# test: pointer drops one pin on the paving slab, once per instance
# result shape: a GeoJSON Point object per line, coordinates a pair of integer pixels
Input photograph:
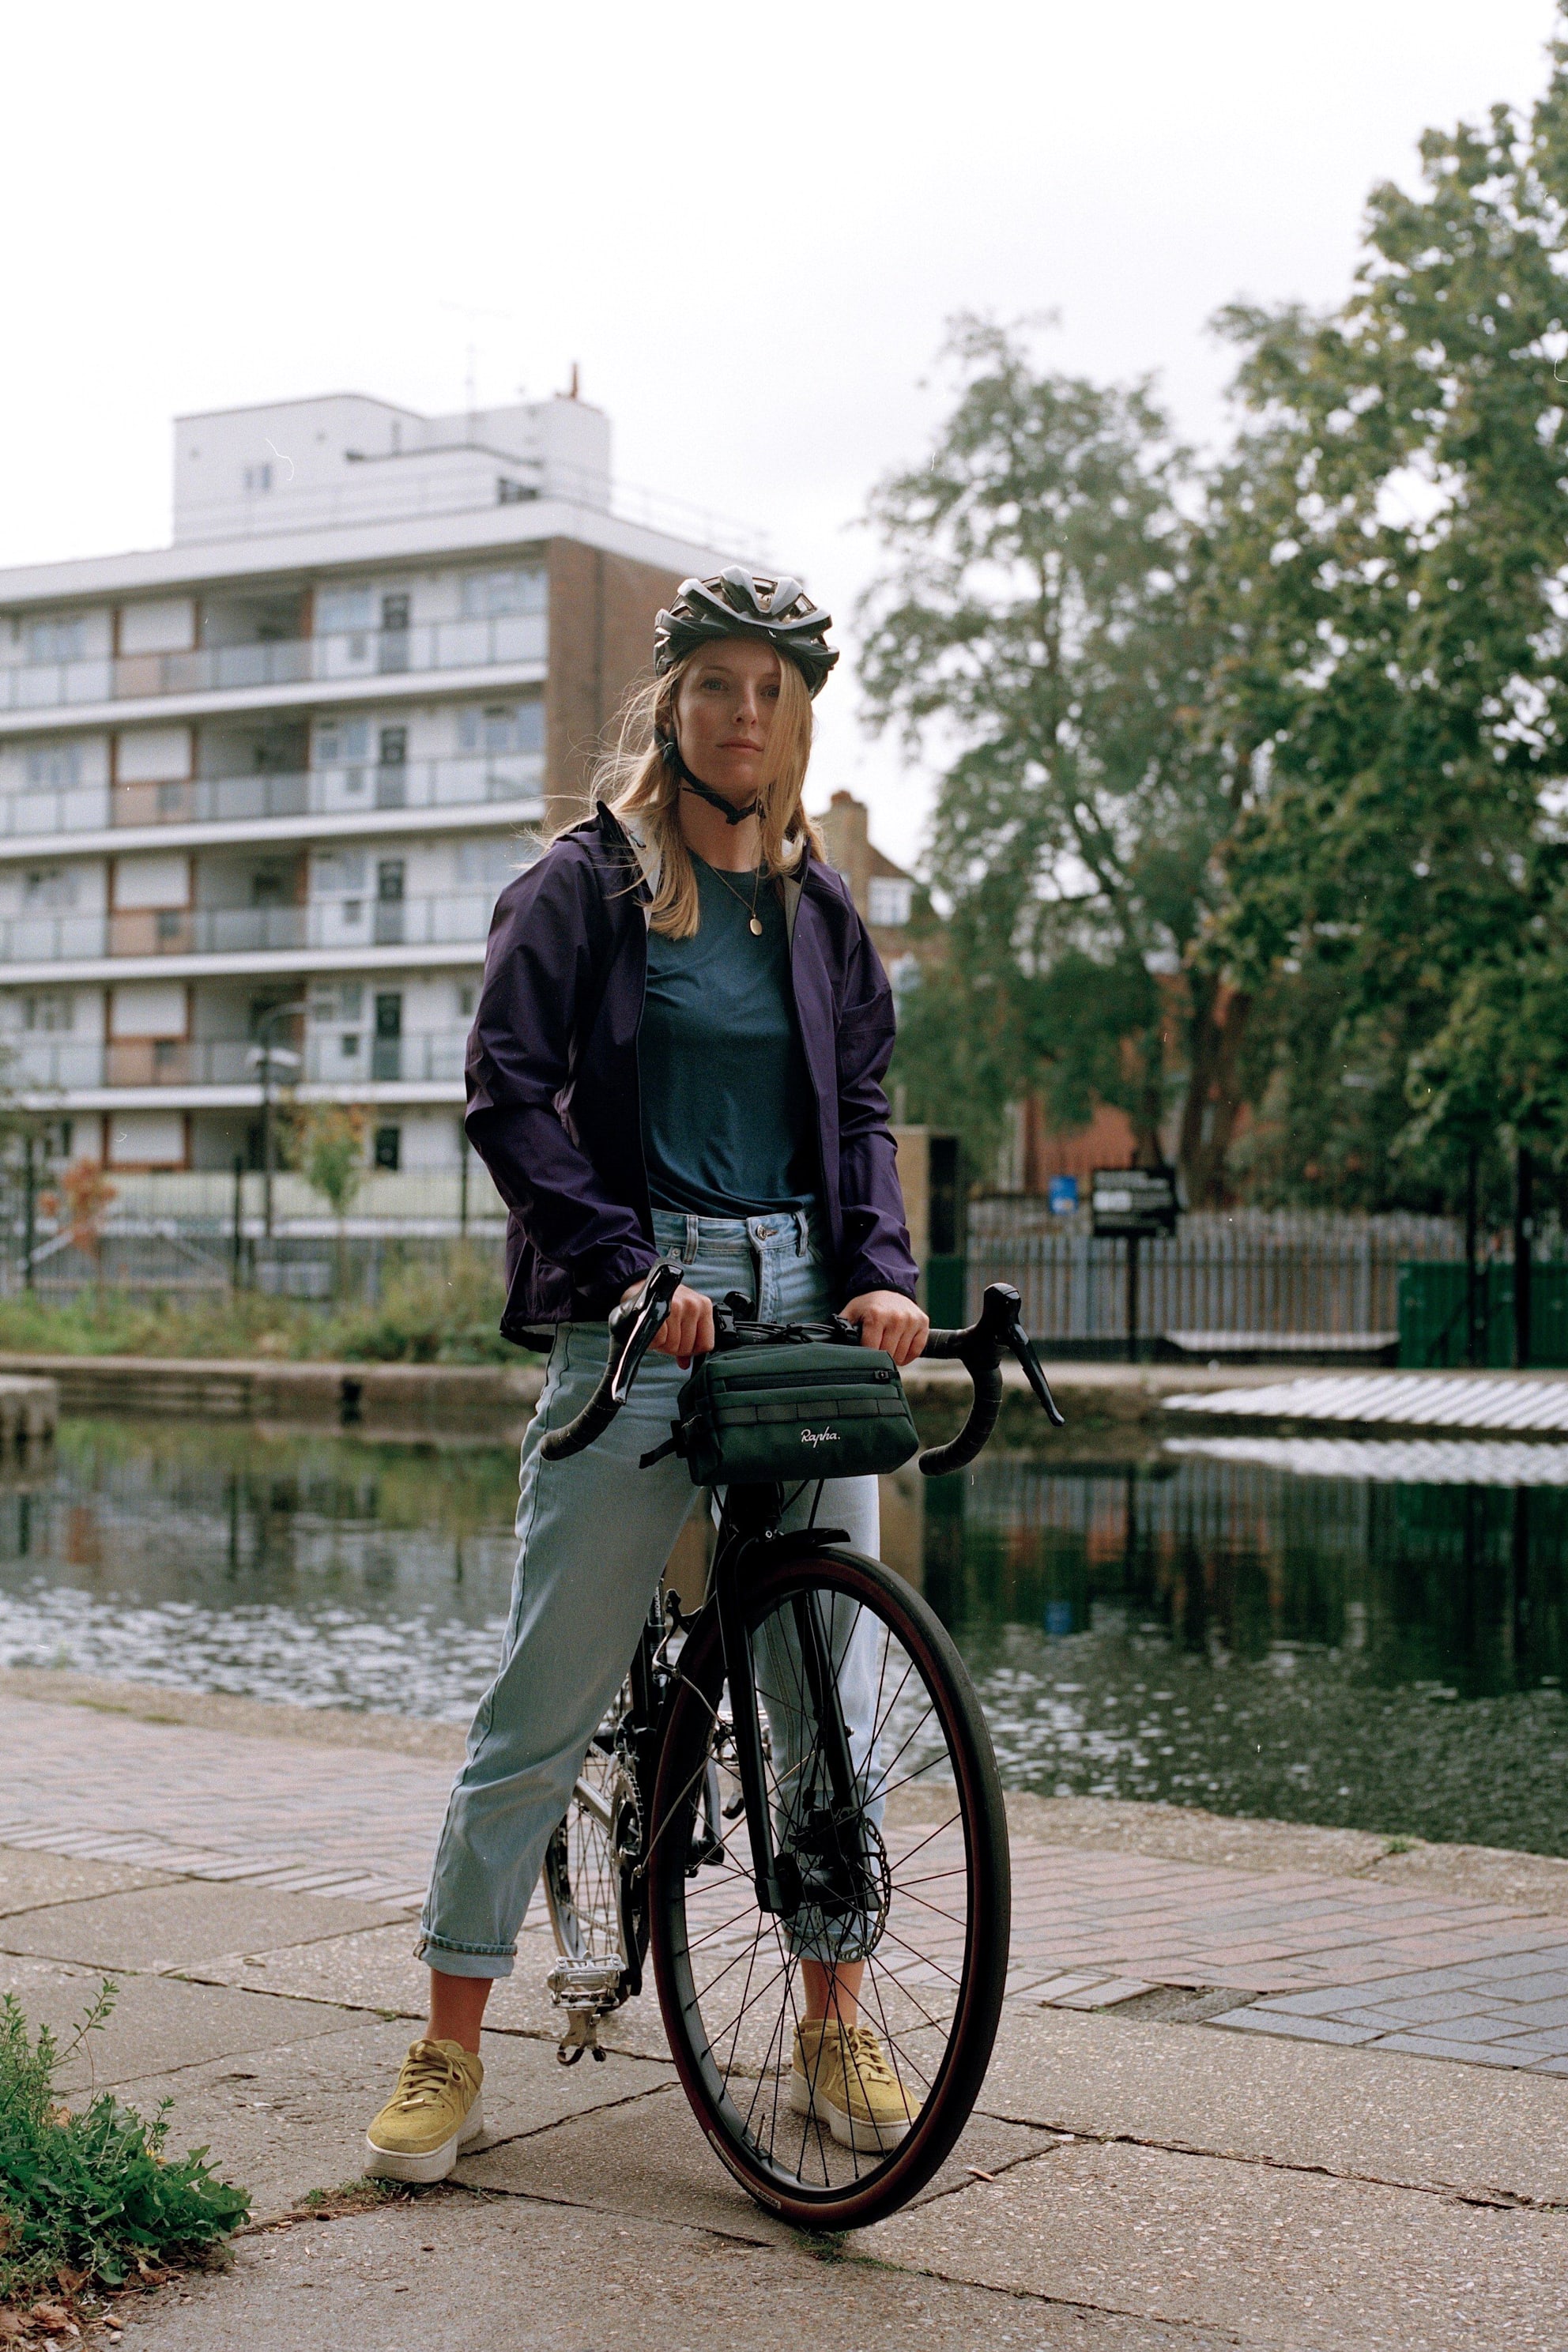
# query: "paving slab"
{"type": "Point", "coordinates": [287, 2120]}
{"type": "Point", "coordinates": [28, 1882]}
{"type": "Point", "coordinates": [1357, 2112]}
{"type": "Point", "coordinates": [508, 2275]}
{"type": "Point", "coordinates": [181, 1924]}
{"type": "Point", "coordinates": [375, 1969]}
{"type": "Point", "coordinates": [1275, 2256]}
{"type": "Point", "coordinates": [655, 2162]}
{"type": "Point", "coordinates": [160, 2024]}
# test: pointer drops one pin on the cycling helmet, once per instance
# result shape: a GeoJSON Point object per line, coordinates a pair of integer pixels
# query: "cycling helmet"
{"type": "Point", "coordinates": [737, 604]}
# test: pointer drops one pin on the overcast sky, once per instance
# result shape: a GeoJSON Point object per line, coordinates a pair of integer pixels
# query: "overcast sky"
{"type": "Point", "coordinates": [748, 225]}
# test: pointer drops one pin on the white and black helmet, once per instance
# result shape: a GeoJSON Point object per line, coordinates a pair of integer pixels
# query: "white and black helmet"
{"type": "Point", "coordinates": [737, 604]}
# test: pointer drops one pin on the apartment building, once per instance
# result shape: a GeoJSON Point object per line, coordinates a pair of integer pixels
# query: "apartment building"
{"type": "Point", "coordinates": [258, 789]}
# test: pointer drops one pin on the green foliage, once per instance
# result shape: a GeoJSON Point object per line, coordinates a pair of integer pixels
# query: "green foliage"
{"type": "Point", "coordinates": [445, 1311]}
{"type": "Point", "coordinates": [330, 1153]}
{"type": "Point", "coordinates": [1392, 533]}
{"type": "Point", "coordinates": [1041, 632]}
{"type": "Point", "coordinates": [94, 2193]}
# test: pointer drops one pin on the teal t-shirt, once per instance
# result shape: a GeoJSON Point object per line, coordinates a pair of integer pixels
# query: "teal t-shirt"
{"type": "Point", "coordinates": [729, 1123]}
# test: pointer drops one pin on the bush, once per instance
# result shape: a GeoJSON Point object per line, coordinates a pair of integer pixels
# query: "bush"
{"type": "Point", "coordinates": [92, 2198]}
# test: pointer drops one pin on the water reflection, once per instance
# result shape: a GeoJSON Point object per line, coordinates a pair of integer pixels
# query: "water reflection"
{"type": "Point", "coordinates": [1219, 1630]}
{"type": "Point", "coordinates": [1295, 1633]}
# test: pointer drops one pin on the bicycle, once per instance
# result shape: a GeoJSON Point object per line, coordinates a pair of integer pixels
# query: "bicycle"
{"type": "Point", "coordinates": [741, 1818]}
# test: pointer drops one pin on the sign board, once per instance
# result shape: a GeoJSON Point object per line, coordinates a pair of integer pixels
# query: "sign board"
{"type": "Point", "coordinates": [1062, 1195]}
{"type": "Point", "coordinates": [1133, 1203]}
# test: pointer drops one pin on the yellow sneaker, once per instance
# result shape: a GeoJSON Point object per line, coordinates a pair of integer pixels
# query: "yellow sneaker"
{"type": "Point", "coordinates": [842, 2074]}
{"type": "Point", "coordinates": [434, 2112]}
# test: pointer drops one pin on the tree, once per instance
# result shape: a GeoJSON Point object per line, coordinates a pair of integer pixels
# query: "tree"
{"type": "Point", "coordinates": [331, 1160]}
{"type": "Point", "coordinates": [1393, 532]}
{"type": "Point", "coordinates": [1040, 633]}
{"type": "Point", "coordinates": [80, 1201]}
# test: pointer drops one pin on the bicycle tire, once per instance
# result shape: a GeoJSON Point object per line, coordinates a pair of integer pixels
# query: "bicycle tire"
{"type": "Point", "coordinates": [688, 1951]}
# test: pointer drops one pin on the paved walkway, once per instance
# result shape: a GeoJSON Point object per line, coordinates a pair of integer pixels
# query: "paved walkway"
{"type": "Point", "coordinates": [1306, 1954]}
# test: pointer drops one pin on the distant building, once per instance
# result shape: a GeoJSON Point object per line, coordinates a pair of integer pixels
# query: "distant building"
{"type": "Point", "coordinates": [883, 892]}
{"type": "Point", "coordinates": [260, 788]}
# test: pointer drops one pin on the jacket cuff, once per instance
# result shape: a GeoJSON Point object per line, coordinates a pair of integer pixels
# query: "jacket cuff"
{"type": "Point", "coordinates": [595, 1297]}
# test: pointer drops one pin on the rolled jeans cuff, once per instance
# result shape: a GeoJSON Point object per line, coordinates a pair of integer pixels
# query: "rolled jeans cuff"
{"type": "Point", "coordinates": [463, 1960]}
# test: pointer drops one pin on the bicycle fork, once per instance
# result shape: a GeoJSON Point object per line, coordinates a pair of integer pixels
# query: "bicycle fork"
{"type": "Point", "coordinates": [777, 1878]}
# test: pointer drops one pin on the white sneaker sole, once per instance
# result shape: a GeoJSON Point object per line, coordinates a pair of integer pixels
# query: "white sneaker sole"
{"type": "Point", "coordinates": [385, 2164]}
{"type": "Point", "coordinates": [857, 2132]}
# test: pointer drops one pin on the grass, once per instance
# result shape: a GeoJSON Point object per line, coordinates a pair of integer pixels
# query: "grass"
{"type": "Point", "coordinates": [445, 1313]}
{"type": "Point", "coordinates": [92, 2200]}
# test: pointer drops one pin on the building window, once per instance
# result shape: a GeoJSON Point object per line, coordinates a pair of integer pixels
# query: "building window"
{"type": "Point", "coordinates": [48, 1008]}
{"type": "Point", "coordinates": [889, 900]}
{"type": "Point", "coordinates": [348, 1046]}
{"type": "Point", "coordinates": [517, 589]}
{"type": "Point", "coordinates": [466, 1002]}
{"type": "Point", "coordinates": [341, 609]}
{"type": "Point", "coordinates": [49, 886]}
{"type": "Point", "coordinates": [56, 641]}
{"type": "Point", "coordinates": [341, 742]}
{"type": "Point", "coordinates": [512, 494]}
{"type": "Point", "coordinates": [259, 478]}
{"type": "Point", "coordinates": [485, 865]}
{"type": "Point", "coordinates": [56, 768]}
{"type": "Point", "coordinates": [498, 728]}
{"type": "Point", "coordinates": [388, 1148]}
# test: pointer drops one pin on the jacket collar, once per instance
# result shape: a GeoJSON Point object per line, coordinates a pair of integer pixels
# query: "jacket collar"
{"type": "Point", "coordinates": [621, 835]}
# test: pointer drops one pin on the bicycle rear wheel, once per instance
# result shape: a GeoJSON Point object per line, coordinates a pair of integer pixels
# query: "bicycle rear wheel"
{"type": "Point", "coordinates": [906, 1893]}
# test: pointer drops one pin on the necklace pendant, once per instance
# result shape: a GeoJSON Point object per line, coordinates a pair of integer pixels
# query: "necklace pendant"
{"type": "Point", "coordinates": [756, 928]}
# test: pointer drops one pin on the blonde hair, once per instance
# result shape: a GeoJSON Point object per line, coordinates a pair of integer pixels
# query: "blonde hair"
{"type": "Point", "coordinates": [634, 780]}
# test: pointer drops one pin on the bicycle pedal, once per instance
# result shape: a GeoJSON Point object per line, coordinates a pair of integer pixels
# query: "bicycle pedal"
{"type": "Point", "coordinates": [589, 1987]}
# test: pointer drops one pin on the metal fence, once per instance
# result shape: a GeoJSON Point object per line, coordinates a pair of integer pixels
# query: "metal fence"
{"type": "Point", "coordinates": [1305, 1278]}
{"type": "Point", "coordinates": [184, 1232]}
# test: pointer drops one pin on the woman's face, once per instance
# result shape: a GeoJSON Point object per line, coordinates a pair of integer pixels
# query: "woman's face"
{"type": "Point", "coordinates": [724, 707]}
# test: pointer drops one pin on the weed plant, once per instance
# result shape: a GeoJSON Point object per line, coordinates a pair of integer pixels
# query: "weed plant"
{"type": "Point", "coordinates": [92, 2198]}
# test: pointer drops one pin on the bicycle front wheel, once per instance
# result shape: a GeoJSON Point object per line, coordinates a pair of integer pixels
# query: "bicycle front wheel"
{"type": "Point", "coordinates": [898, 1904]}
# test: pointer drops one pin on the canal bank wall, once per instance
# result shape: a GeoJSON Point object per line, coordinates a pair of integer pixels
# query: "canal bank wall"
{"type": "Point", "coordinates": [492, 1403]}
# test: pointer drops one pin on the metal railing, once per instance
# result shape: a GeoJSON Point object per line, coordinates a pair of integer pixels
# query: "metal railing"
{"type": "Point", "coordinates": [460, 918]}
{"type": "Point", "coordinates": [1222, 1278]}
{"type": "Point", "coordinates": [343, 790]}
{"type": "Point", "coordinates": [508, 639]}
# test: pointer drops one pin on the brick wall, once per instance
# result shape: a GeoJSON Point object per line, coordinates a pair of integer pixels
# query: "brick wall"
{"type": "Point", "coordinates": [602, 612]}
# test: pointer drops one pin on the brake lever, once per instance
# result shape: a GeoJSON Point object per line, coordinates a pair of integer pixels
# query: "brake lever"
{"type": "Point", "coordinates": [1023, 1346]}
{"type": "Point", "coordinates": [645, 1317]}
{"type": "Point", "coordinates": [1002, 1320]}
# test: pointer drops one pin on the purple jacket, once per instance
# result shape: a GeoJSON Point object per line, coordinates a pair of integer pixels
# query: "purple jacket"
{"type": "Point", "coordinates": [553, 1108]}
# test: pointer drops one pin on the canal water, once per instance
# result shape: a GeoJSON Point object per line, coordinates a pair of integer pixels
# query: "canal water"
{"type": "Point", "coordinates": [1373, 1634]}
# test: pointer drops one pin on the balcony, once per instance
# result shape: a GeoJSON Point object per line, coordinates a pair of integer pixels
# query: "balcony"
{"type": "Point", "coordinates": [351, 654]}
{"type": "Point", "coordinates": [38, 1065]}
{"type": "Point", "coordinates": [331, 792]}
{"type": "Point", "coordinates": [461, 918]}
{"type": "Point", "coordinates": [433, 1057]}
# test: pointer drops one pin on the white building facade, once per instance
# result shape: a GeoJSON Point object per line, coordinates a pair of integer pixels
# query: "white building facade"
{"type": "Point", "coordinates": [262, 787]}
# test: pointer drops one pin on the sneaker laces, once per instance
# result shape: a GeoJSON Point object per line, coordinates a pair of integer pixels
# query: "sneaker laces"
{"type": "Point", "coordinates": [426, 2072]}
{"type": "Point", "coordinates": [866, 2058]}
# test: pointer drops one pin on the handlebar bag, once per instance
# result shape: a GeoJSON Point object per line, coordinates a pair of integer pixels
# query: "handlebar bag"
{"type": "Point", "coordinates": [807, 1409]}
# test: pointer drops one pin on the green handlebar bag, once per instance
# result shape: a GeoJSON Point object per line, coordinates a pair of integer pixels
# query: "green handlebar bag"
{"type": "Point", "coordinates": [792, 1410]}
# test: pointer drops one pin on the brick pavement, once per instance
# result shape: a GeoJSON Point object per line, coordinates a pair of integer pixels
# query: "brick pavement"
{"type": "Point", "coordinates": [1306, 1955]}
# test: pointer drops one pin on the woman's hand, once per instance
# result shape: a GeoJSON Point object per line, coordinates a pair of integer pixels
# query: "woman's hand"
{"type": "Point", "coordinates": [889, 1320]}
{"type": "Point", "coordinates": [687, 1330]}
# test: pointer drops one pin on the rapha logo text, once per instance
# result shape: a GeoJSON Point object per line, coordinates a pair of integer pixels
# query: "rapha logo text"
{"type": "Point", "coordinates": [819, 1437]}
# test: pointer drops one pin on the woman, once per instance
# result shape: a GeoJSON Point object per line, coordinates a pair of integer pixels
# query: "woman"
{"type": "Point", "coordinates": [679, 1048]}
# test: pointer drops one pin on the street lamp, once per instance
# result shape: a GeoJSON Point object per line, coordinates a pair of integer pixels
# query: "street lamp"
{"type": "Point", "coordinates": [265, 1056]}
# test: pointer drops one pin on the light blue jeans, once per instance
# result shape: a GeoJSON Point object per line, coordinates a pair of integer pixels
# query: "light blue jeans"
{"type": "Point", "coordinates": [594, 1535]}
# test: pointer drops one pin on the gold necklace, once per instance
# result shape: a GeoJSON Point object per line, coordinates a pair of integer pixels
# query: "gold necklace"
{"type": "Point", "coordinates": [755, 921]}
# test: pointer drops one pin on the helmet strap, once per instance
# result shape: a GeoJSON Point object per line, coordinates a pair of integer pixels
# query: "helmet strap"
{"type": "Point", "coordinates": [669, 752]}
